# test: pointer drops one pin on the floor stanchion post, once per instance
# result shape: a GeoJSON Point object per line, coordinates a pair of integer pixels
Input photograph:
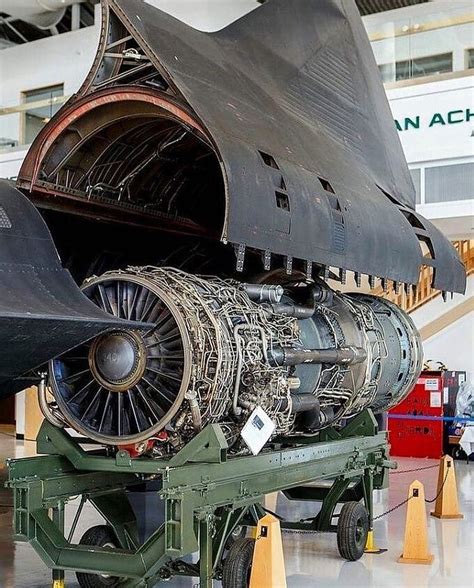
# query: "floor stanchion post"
{"type": "Point", "coordinates": [446, 506]}
{"type": "Point", "coordinates": [268, 564]}
{"type": "Point", "coordinates": [416, 545]}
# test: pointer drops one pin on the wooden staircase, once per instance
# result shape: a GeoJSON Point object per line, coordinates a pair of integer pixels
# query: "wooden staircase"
{"type": "Point", "coordinates": [423, 293]}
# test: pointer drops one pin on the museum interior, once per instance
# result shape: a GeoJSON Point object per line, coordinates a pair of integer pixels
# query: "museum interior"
{"type": "Point", "coordinates": [236, 293]}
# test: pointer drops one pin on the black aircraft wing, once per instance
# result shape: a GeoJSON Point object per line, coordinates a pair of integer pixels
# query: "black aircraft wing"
{"type": "Point", "coordinates": [42, 311]}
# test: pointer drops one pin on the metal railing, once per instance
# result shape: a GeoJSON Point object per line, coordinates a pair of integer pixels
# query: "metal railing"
{"type": "Point", "coordinates": [423, 44]}
{"type": "Point", "coordinates": [424, 292]}
{"type": "Point", "coordinates": [24, 106]}
{"type": "Point", "coordinates": [12, 120]}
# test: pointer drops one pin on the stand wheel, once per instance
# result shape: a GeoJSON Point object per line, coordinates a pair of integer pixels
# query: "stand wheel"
{"type": "Point", "coordinates": [352, 530]}
{"type": "Point", "coordinates": [101, 536]}
{"type": "Point", "coordinates": [238, 533]}
{"type": "Point", "coordinates": [238, 564]}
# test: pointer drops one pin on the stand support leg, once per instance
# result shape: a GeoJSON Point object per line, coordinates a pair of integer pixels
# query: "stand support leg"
{"type": "Point", "coordinates": [58, 519]}
{"type": "Point", "coordinates": [205, 553]}
{"type": "Point", "coordinates": [368, 486]}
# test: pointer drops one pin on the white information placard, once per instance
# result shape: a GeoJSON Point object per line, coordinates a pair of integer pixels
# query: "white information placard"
{"type": "Point", "coordinates": [445, 395]}
{"type": "Point", "coordinates": [257, 430]}
{"type": "Point", "coordinates": [435, 399]}
{"type": "Point", "coordinates": [432, 384]}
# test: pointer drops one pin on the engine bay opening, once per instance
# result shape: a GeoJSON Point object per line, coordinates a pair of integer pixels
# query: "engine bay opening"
{"type": "Point", "coordinates": [88, 247]}
{"type": "Point", "coordinates": [136, 160]}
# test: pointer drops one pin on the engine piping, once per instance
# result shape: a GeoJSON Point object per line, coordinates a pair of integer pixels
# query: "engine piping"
{"type": "Point", "coordinates": [286, 356]}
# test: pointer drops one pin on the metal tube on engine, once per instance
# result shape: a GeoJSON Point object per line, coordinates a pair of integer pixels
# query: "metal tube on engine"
{"type": "Point", "coordinates": [292, 310]}
{"type": "Point", "coordinates": [286, 356]}
{"type": "Point", "coordinates": [263, 292]}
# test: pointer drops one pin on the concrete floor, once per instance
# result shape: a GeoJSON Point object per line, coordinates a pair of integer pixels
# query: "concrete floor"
{"type": "Point", "coordinates": [311, 560]}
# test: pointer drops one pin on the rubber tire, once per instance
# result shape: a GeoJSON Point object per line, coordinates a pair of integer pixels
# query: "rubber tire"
{"type": "Point", "coordinates": [99, 535]}
{"type": "Point", "coordinates": [238, 563]}
{"type": "Point", "coordinates": [239, 533]}
{"type": "Point", "coordinates": [350, 541]}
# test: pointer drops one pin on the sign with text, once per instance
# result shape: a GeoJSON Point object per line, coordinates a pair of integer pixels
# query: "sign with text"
{"type": "Point", "coordinates": [436, 120]}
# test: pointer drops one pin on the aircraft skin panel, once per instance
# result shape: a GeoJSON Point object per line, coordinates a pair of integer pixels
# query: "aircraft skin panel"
{"type": "Point", "coordinates": [298, 81]}
{"type": "Point", "coordinates": [290, 99]}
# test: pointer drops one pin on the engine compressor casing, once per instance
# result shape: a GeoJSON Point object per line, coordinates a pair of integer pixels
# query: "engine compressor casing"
{"type": "Point", "coordinates": [216, 352]}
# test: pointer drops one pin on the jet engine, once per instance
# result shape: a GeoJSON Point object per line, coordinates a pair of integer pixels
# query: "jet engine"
{"type": "Point", "coordinates": [218, 349]}
{"type": "Point", "coordinates": [244, 154]}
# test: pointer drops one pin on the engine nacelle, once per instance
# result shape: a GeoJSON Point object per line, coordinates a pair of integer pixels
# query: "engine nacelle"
{"type": "Point", "coordinates": [219, 349]}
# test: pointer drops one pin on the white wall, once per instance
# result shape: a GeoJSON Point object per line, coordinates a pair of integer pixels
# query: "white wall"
{"type": "Point", "coordinates": [416, 13]}
{"type": "Point", "coordinates": [448, 101]}
{"type": "Point", "coordinates": [443, 111]}
{"type": "Point", "coordinates": [454, 40]}
{"type": "Point", "coordinates": [61, 59]}
{"type": "Point", "coordinates": [10, 161]}
{"type": "Point", "coordinates": [206, 15]}
{"type": "Point", "coordinates": [429, 312]}
{"type": "Point", "coordinates": [454, 345]}
{"type": "Point", "coordinates": [20, 413]}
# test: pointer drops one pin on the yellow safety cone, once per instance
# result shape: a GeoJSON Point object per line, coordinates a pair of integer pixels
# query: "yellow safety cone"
{"type": "Point", "coordinates": [370, 546]}
{"type": "Point", "coordinates": [446, 506]}
{"type": "Point", "coordinates": [268, 563]}
{"type": "Point", "coordinates": [416, 547]}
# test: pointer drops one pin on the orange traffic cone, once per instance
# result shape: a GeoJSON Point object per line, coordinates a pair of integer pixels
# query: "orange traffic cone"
{"type": "Point", "coordinates": [446, 506]}
{"type": "Point", "coordinates": [268, 564]}
{"type": "Point", "coordinates": [415, 547]}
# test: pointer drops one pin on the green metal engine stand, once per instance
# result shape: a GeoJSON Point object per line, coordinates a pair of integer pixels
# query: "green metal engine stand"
{"type": "Point", "coordinates": [207, 495]}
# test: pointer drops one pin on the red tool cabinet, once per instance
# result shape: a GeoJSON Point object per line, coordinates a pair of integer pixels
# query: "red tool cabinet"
{"type": "Point", "coordinates": [412, 433]}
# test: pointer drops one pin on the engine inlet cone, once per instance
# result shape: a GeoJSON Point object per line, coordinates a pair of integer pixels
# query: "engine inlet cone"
{"type": "Point", "coordinates": [117, 360]}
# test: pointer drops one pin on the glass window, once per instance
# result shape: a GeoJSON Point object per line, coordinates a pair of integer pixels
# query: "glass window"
{"type": "Point", "coordinates": [35, 118]}
{"type": "Point", "coordinates": [417, 67]}
{"type": "Point", "coordinates": [446, 183]}
{"type": "Point", "coordinates": [416, 177]}
{"type": "Point", "coordinates": [470, 58]}
{"type": "Point", "coordinates": [387, 72]}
